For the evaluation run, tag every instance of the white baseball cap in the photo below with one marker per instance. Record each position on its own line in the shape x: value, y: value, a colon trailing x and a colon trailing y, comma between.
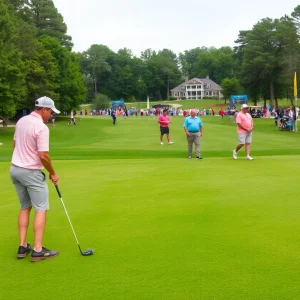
x: 244, y: 106
x: 46, y: 102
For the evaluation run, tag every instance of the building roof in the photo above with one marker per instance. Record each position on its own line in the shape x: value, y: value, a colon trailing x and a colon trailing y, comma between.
x: 213, y: 86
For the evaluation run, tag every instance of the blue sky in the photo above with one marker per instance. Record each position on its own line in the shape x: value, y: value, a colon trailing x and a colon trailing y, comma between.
x: 176, y: 25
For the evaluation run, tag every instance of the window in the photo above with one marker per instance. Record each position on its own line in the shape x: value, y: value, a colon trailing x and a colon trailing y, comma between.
x: 175, y: 94
x: 199, y: 86
x: 188, y: 87
x: 193, y: 87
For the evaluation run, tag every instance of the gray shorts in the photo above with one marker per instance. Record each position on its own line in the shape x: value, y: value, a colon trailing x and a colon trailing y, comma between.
x: 31, y: 187
x: 245, y: 138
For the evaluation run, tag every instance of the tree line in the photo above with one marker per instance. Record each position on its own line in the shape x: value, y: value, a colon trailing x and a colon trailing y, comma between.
x: 36, y: 59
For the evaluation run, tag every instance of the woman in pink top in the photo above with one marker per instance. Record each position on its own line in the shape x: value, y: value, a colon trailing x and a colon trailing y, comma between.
x: 244, y: 124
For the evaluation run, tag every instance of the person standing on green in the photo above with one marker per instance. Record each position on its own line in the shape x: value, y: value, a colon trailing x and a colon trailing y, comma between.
x: 193, y: 128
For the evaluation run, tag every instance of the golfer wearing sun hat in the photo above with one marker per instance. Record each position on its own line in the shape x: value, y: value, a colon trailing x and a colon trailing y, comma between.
x: 30, y: 157
x: 244, y: 124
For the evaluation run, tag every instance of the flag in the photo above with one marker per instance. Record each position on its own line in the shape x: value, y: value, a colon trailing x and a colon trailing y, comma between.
x: 295, y: 85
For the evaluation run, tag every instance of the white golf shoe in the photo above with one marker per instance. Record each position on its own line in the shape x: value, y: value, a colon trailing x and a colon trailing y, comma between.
x: 234, y: 155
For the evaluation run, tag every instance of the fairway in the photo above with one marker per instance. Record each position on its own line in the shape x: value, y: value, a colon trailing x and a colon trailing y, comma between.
x: 162, y: 226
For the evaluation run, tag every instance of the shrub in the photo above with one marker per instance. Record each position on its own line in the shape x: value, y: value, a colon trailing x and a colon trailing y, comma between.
x: 101, y: 101
x: 132, y: 99
x: 172, y: 98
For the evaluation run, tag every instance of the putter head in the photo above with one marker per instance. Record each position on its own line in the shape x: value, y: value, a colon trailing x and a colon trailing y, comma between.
x: 88, y: 252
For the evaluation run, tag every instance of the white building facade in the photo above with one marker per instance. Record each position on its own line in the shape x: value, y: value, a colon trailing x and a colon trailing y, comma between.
x: 198, y: 88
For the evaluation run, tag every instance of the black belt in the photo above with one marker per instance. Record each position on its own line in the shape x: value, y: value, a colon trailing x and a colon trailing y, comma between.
x: 194, y: 131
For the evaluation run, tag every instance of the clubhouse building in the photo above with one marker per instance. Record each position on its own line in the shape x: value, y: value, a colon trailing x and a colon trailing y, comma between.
x: 197, y: 88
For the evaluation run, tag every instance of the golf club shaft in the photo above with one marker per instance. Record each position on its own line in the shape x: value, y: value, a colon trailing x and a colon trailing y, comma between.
x: 62, y: 202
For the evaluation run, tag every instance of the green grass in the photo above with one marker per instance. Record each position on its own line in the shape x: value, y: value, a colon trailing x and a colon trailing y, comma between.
x: 207, y: 103
x: 162, y: 226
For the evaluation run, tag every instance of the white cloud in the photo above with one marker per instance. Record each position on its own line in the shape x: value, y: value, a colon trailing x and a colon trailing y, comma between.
x: 177, y: 25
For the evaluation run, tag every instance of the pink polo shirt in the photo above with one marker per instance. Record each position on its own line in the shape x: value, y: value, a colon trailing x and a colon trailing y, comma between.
x: 163, y: 119
x: 31, y: 137
x: 245, y: 120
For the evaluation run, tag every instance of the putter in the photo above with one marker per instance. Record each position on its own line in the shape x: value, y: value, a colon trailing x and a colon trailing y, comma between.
x: 86, y: 252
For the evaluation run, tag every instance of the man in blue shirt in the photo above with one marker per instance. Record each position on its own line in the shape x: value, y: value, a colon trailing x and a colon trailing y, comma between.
x: 193, y: 130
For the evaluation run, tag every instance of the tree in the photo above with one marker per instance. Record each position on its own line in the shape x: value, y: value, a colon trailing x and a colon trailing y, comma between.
x: 200, y: 62
x: 45, y: 17
x: 161, y: 73
x: 147, y: 54
x: 288, y: 38
x: 12, y: 76
x: 266, y: 57
x: 187, y: 61
x: 230, y: 86
x: 296, y: 18
x: 69, y: 84
x: 41, y: 68
x: 95, y: 62
x: 260, y: 54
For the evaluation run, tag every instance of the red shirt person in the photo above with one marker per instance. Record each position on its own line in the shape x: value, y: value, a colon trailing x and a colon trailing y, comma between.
x: 164, y: 121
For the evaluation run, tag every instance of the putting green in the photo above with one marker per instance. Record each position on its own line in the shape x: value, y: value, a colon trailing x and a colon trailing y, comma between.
x: 162, y: 226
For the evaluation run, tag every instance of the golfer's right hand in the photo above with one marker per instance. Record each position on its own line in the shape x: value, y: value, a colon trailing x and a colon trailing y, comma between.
x: 54, y: 178
x: 187, y: 134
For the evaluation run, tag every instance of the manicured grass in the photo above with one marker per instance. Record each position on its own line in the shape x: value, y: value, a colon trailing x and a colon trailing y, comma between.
x: 162, y: 226
x: 207, y: 103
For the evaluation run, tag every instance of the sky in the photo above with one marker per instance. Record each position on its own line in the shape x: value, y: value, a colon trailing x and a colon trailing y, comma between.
x: 158, y: 24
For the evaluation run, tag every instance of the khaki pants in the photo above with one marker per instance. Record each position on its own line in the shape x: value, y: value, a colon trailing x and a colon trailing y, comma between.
x: 194, y: 138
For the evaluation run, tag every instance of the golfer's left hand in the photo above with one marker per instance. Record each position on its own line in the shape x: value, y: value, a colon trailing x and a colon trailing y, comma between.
x: 54, y: 178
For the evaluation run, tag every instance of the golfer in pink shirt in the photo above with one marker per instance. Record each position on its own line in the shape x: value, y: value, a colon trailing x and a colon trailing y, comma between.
x: 244, y: 124
x: 30, y: 157
x: 164, y: 121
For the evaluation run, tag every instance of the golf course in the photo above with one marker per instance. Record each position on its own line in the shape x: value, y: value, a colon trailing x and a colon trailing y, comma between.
x: 162, y: 226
